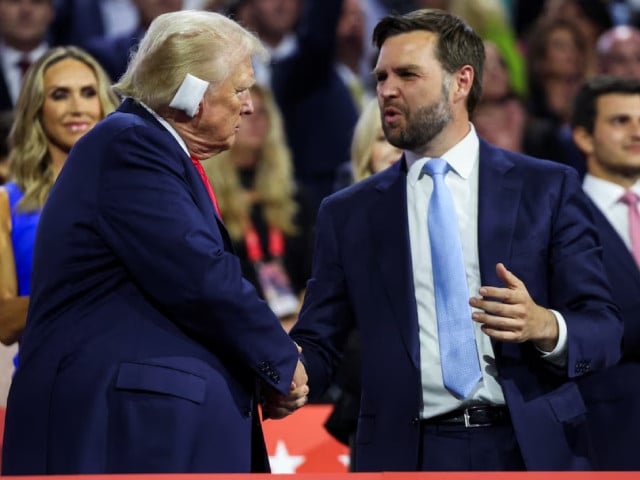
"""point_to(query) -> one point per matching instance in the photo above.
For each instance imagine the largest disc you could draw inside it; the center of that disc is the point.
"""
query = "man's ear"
(583, 139)
(462, 83)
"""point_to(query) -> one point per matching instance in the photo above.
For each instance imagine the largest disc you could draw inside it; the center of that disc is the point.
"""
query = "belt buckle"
(467, 420)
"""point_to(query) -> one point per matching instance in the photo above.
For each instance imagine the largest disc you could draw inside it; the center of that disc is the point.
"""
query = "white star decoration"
(344, 460)
(282, 462)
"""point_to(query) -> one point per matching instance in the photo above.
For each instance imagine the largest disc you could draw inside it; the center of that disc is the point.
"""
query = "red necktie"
(631, 200)
(207, 184)
(23, 64)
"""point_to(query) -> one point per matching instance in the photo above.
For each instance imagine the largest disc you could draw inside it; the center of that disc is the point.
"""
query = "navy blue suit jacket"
(76, 21)
(534, 217)
(624, 276)
(144, 345)
(112, 52)
(613, 395)
(6, 104)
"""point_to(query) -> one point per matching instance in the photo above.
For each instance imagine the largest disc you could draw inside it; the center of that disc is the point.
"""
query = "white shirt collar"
(11, 56)
(168, 126)
(605, 194)
(461, 157)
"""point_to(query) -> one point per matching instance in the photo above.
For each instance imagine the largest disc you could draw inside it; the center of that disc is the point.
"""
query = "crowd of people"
(211, 206)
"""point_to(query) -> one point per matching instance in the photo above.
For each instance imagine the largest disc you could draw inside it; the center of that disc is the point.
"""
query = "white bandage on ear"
(189, 95)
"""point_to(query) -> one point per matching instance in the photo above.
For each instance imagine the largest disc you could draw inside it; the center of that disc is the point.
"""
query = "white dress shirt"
(169, 128)
(462, 180)
(606, 195)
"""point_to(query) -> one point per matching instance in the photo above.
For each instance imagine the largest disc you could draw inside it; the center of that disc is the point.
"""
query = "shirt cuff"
(558, 356)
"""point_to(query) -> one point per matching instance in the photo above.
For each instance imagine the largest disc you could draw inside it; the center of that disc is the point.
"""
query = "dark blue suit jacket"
(113, 52)
(624, 276)
(6, 104)
(613, 395)
(76, 21)
(534, 217)
(144, 345)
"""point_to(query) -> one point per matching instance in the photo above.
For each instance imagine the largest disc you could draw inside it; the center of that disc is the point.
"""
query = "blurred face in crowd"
(613, 149)
(24, 23)
(275, 18)
(622, 54)
(351, 24)
(563, 59)
(495, 81)
(222, 110)
(71, 105)
(413, 92)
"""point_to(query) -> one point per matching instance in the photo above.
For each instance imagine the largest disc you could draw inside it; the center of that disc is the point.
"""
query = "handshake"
(277, 406)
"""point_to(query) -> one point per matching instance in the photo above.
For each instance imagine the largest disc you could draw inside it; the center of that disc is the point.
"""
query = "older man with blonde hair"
(145, 349)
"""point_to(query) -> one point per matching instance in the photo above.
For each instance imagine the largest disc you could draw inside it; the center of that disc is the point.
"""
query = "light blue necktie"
(458, 352)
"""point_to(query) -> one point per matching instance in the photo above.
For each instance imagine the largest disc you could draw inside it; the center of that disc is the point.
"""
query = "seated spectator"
(268, 217)
(500, 116)
(24, 25)
(605, 128)
(65, 94)
(591, 17)
(619, 51)
(556, 58)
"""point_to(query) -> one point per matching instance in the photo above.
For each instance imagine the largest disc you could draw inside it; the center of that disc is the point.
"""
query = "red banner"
(300, 444)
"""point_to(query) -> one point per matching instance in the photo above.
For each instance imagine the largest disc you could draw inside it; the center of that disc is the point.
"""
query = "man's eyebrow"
(411, 67)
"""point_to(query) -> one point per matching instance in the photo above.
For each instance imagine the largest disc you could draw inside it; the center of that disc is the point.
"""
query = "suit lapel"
(616, 251)
(198, 189)
(390, 243)
(498, 200)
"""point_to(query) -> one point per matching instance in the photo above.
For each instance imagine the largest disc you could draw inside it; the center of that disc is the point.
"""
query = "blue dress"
(23, 234)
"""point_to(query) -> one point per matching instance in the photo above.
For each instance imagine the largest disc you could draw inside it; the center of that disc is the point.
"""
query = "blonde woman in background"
(266, 214)
(370, 151)
(64, 94)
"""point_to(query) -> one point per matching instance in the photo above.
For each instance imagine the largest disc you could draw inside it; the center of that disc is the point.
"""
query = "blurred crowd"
(538, 55)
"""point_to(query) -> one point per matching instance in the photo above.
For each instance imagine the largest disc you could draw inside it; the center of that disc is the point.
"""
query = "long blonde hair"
(29, 155)
(274, 184)
(364, 136)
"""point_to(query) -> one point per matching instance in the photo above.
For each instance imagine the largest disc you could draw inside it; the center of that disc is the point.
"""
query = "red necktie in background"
(23, 64)
(207, 184)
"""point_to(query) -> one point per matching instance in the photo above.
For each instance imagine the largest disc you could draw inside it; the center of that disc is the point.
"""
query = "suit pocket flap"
(162, 380)
(567, 403)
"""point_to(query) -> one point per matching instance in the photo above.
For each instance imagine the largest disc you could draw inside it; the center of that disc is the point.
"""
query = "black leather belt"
(473, 416)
